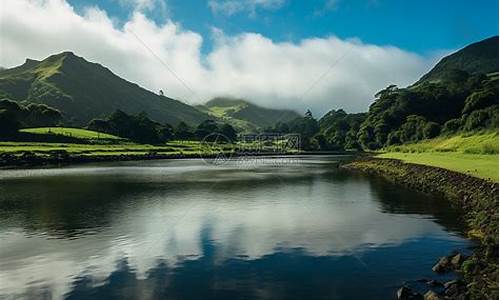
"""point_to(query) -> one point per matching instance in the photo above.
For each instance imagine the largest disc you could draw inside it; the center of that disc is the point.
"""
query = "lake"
(267, 228)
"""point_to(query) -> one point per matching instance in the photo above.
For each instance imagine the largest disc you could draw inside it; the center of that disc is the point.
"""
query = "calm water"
(182, 229)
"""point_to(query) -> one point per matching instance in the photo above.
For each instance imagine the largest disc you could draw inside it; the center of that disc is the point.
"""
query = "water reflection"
(185, 230)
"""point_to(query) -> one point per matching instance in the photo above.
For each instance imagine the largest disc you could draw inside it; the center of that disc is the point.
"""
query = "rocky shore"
(477, 199)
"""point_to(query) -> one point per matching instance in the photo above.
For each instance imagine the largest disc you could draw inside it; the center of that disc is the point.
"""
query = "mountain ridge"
(477, 58)
(246, 115)
(85, 90)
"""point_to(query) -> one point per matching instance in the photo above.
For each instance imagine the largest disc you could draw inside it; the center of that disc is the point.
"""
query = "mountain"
(476, 58)
(460, 94)
(245, 115)
(83, 90)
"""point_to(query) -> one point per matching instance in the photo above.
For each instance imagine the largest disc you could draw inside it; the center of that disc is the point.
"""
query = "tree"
(431, 130)
(99, 125)
(308, 114)
(8, 123)
(322, 142)
(166, 132)
(229, 132)
(183, 132)
(413, 129)
(482, 119)
(137, 128)
(42, 115)
(451, 126)
(206, 128)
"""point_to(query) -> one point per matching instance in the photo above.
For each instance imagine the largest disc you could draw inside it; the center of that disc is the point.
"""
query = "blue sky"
(417, 26)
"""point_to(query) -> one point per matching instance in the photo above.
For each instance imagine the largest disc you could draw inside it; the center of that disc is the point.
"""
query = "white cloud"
(249, 65)
(231, 7)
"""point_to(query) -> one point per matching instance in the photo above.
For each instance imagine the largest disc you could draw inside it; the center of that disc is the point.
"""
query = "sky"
(318, 54)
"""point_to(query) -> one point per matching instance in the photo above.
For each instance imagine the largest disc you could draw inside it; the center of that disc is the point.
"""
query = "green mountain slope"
(245, 115)
(460, 94)
(82, 90)
(476, 58)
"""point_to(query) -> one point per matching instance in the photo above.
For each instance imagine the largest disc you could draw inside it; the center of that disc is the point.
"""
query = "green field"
(71, 132)
(476, 154)
(90, 146)
(174, 147)
(478, 165)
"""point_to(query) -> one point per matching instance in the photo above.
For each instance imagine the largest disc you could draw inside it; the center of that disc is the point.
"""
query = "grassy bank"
(478, 165)
(39, 153)
(179, 147)
(478, 200)
(473, 154)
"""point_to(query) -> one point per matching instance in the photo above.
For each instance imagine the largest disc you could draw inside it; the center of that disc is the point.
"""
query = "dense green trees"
(462, 102)
(137, 128)
(8, 123)
(141, 129)
(229, 132)
(183, 132)
(340, 130)
(15, 115)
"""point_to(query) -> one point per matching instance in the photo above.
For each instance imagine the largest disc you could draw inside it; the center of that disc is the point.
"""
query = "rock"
(457, 260)
(434, 283)
(455, 289)
(442, 265)
(406, 293)
(431, 295)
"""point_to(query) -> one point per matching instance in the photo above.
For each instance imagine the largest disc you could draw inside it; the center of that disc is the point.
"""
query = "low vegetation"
(472, 143)
(78, 133)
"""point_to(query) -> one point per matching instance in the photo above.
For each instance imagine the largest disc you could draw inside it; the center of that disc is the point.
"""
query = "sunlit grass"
(71, 132)
(473, 154)
(478, 143)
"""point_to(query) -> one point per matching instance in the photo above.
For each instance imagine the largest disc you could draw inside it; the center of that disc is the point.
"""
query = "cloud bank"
(315, 73)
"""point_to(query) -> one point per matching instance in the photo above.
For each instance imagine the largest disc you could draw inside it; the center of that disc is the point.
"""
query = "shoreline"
(476, 198)
(56, 159)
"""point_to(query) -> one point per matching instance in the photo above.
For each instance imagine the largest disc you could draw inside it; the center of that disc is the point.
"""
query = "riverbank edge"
(476, 198)
(55, 159)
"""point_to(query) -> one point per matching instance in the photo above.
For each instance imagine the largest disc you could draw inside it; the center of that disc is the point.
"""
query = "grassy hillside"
(473, 154)
(479, 143)
(82, 90)
(71, 132)
(460, 94)
(245, 115)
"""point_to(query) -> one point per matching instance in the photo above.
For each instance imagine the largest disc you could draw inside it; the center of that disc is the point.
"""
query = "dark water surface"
(182, 229)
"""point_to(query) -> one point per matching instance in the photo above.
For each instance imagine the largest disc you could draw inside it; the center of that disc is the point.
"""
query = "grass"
(478, 143)
(478, 165)
(71, 132)
(473, 154)
(125, 148)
